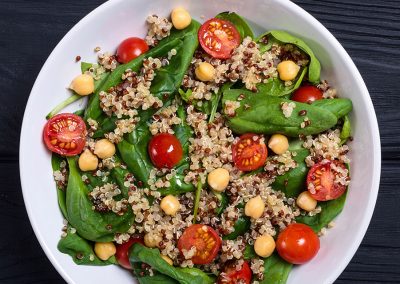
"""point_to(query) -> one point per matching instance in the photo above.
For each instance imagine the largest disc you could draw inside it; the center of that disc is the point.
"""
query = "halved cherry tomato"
(122, 254)
(131, 48)
(165, 150)
(232, 276)
(206, 241)
(218, 38)
(307, 94)
(249, 153)
(65, 134)
(297, 243)
(322, 179)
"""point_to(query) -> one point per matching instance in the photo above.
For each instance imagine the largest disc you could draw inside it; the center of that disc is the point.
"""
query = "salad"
(205, 154)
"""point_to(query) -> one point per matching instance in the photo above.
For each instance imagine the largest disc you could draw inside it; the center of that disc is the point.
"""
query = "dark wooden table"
(369, 30)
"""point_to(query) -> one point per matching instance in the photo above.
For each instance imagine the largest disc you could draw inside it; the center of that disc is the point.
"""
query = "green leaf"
(276, 270)
(197, 200)
(293, 182)
(239, 22)
(249, 253)
(223, 202)
(140, 253)
(339, 107)
(242, 225)
(61, 194)
(329, 211)
(259, 113)
(276, 87)
(280, 37)
(90, 224)
(81, 250)
(85, 66)
(345, 134)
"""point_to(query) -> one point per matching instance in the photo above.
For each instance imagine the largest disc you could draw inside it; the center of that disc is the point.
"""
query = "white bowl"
(115, 20)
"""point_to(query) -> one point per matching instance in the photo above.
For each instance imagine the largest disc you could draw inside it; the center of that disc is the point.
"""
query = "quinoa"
(159, 28)
(287, 108)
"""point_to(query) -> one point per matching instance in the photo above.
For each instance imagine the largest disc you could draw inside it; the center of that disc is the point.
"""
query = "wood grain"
(369, 31)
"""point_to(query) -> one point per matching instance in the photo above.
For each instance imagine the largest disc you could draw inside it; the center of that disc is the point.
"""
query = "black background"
(370, 32)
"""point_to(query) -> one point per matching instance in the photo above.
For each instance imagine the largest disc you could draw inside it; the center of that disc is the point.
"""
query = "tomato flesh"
(249, 153)
(131, 48)
(206, 241)
(321, 181)
(232, 276)
(122, 254)
(165, 150)
(218, 38)
(65, 134)
(307, 94)
(297, 243)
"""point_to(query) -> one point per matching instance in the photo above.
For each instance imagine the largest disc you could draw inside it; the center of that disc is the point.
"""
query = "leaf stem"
(197, 200)
(63, 104)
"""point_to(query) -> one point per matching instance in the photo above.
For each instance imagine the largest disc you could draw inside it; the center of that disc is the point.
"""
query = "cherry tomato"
(307, 94)
(218, 38)
(232, 276)
(249, 153)
(131, 48)
(122, 254)
(297, 243)
(206, 241)
(322, 177)
(65, 134)
(165, 150)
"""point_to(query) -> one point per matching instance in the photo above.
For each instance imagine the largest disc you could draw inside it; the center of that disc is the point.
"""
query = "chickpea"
(170, 205)
(167, 259)
(205, 71)
(180, 18)
(306, 202)
(152, 240)
(254, 207)
(264, 245)
(218, 179)
(278, 143)
(87, 161)
(83, 85)
(104, 149)
(105, 250)
(288, 70)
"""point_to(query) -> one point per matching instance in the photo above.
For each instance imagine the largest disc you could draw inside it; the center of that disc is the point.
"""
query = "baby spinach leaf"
(276, 270)
(140, 253)
(280, 37)
(239, 22)
(249, 252)
(345, 134)
(339, 107)
(90, 224)
(157, 278)
(81, 250)
(61, 195)
(276, 87)
(293, 182)
(242, 225)
(329, 211)
(259, 113)
(85, 66)
(223, 202)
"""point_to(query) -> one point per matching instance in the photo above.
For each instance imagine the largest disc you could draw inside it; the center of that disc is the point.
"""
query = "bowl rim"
(376, 151)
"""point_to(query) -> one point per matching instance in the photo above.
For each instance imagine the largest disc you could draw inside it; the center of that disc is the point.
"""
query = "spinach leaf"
(293, 182)
(140, 253)
(259, 113)
(81, 250)
(276, 87)
(85, 66)
(339, 107)
(242, 225)
(329, 211)
(276, 270)
(167, 79)
(345, 134)
(61, 194)
(90, 224)
(249, 252)
(197, 200)
(275, 36)
(239, 22)
(157, 278)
